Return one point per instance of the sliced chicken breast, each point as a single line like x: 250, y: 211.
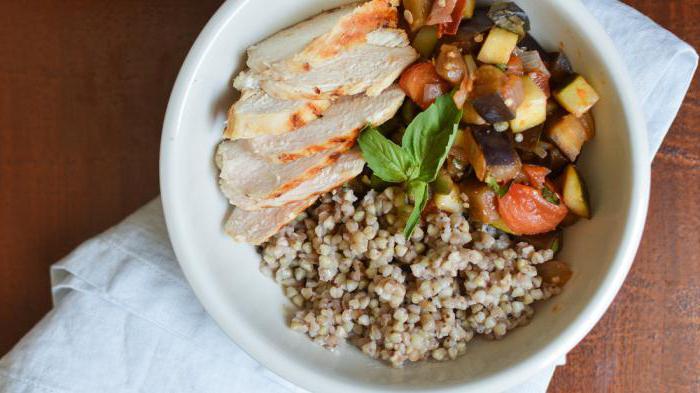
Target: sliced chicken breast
x: 255, y: 227
x: 247, y: 176
x: 349, y: 165
x: 368, y: 68
x: 340, y: 125
x: 293, y: 40
x: 323, y: 35
x: 258, y: 113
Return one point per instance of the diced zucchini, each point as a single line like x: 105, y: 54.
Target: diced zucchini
x: 469, y: 9
x: 577, y: 96
x: 491, y: 154
x: 425, y: 40
x: 470, y: 116
x: 451, y: 203
x: 533, y: 110
x: 496, y: 96
x: 443, y: 184
x: 498, y: 47
x: 569, y: 134
x: 447, y: 194
x: 574, y: 192
x: 419, y: 9
x: 555, y: 273
x: 482, y: 202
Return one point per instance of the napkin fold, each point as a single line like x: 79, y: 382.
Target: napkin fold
x: 660, y: 65
x: 110, y: 332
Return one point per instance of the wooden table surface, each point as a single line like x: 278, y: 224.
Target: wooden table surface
x: 83, y: 89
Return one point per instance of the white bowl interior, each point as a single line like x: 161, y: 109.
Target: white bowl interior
x: 251, y: 307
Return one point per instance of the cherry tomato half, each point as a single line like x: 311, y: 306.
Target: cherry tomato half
x: 524, y: 210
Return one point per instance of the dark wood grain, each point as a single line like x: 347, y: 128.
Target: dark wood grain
x: 83, y: 88
x: 649, y: 339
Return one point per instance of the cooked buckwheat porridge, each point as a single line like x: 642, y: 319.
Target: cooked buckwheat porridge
x: 347, y: 266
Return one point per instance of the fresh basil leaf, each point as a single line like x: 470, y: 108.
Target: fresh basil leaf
x: 389, y: 161
x: 430, y: 136
x: 500, y: 190
x: 418, y: 190
x: 550, y: 196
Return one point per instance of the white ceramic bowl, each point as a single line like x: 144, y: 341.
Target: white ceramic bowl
x: 251, y: 308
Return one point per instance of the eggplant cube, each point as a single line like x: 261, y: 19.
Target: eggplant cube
x: 496, y: 96
x: 498, y: 47
x: 492, y: 154
x: 533, y: 111
x: 530, y: 139
x: 560, y: 67
x: 569, y: 134
x: 507, y: 15
x: 482, y: 202
x: 577, y: 96
x: 470, y: 116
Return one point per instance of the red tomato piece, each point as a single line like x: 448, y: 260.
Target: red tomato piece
x: 451, y: 27
x: 536, y: 174
x: 423, y: 84
x: 515, y: 66
x: 441, y: 12
x: 525, y: 211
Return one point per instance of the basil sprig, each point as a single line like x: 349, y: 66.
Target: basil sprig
x: 422, y: 153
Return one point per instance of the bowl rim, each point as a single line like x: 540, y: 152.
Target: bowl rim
x: 560, y: 345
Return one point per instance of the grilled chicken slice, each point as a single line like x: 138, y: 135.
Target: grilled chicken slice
x: 258, y: 113
x: 288, y: 42
x: 323, y: 35
x: 340, y: 125
x: 368, y: 68
x: 255, y: 227
x: 247, y: 176
x: 348, y: 166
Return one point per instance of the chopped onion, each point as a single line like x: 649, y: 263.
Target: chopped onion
x: 532, y: 62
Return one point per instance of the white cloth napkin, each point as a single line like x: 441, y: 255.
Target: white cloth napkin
x: 110, y: 331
